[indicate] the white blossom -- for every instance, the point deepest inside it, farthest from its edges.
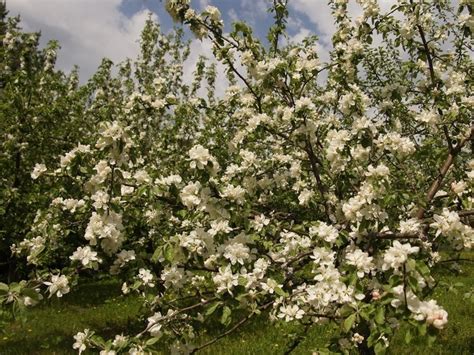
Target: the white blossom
(397, 255)
(327, 232)
(146, 276)
(237, 253)
(38, 170)
(81, 339)
(154, 327)
(234, 193)
(58, 285)
(86, 256)
(291, 312)
(225, 280)
(361, 260)
(189, 194)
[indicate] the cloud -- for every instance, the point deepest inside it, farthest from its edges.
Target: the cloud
(319, 14)
(204, 3)
(252, 11)
(87, 30)
(233, 15)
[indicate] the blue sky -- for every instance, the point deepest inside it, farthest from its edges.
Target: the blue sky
(89, 30)
(253, 12)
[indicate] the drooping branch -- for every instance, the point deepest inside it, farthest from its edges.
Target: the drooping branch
(174, 314)
(231, 330)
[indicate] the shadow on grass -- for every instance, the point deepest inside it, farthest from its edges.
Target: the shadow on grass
(94, 293)
(50, 327)
(57, 343)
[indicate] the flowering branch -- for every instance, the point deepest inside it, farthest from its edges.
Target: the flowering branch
(436, 185)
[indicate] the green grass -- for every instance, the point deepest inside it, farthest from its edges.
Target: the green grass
(263, 337)
(99, 306)
(50, 327)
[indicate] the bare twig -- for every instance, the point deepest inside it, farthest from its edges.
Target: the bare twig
(456, 260)
(231, 330)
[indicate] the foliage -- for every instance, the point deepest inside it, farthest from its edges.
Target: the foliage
(312, 192)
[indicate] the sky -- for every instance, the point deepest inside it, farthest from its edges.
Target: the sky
(89, 30)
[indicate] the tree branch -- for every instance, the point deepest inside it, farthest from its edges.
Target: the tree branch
(231, 330)
(436, 185)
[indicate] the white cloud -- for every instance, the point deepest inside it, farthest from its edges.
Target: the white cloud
(233, 15)
(251, 11)
(87, 30)
(318, 13)
(204, 3)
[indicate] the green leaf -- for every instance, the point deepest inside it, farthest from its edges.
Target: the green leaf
(30, 293)
(152, 341)
(431, 340)
(280, 292)
(423, 269)
(15, 287)
(380, 348)
(226, 316)
(242, 281)
(365, 314)
(212, 308)
(168, 252)
(380, 315)
(422, 329)
(346, 310)
(142, 190)
(348, 322)
(408, 336)
(3, 288)
(156, 255)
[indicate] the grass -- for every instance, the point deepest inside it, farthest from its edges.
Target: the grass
(262, 337)
(50, 327)
(99, 306)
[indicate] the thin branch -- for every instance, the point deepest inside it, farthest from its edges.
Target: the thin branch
(436, 185)
(297, 258)
(428, 54)
(236, 72)
(231, 330)
(466, 213)
(391, 235)
(185, 309)
(405, 285)
(456, 260)
(297, 340)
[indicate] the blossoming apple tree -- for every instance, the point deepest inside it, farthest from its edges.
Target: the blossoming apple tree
(41, 111)
(310, 192)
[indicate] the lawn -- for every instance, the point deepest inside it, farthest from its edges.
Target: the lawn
(100, 306)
